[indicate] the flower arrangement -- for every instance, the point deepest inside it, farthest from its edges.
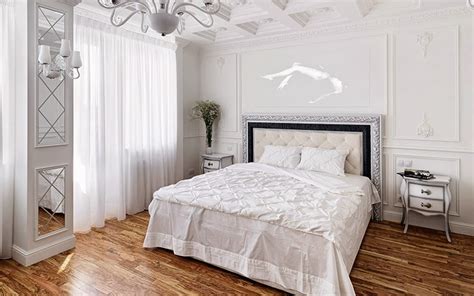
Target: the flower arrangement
(208, 111)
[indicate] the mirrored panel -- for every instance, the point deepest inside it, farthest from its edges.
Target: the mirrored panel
(51, 198)
(50, 117)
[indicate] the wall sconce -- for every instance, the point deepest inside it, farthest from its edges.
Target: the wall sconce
(54, 69)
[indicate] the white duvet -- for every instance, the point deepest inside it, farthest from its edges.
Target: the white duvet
(293, 229)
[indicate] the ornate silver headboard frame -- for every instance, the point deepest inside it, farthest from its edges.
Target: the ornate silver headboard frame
(370, 125)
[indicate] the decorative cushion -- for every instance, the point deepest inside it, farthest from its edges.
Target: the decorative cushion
(323, 160)
(341, 141)
(281, 156)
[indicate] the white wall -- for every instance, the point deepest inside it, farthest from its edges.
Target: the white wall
(193, 139)
(384, 69)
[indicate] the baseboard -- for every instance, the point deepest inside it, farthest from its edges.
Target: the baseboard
(456, 227)
(27, 258)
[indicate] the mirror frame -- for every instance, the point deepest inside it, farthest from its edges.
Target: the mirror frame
(66, 81)
(39, 236)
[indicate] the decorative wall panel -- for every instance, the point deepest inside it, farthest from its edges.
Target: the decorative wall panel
(219, 83)
(323, 75)
(51, 110)
(50, 199)
(426, 84)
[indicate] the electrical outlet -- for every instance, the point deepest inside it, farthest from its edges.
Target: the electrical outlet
(408, 163)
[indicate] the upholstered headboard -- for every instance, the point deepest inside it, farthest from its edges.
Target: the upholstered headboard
(350, 142)
(357, 134)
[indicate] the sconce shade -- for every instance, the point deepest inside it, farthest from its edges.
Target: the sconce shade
(76, 61)
(65, 50)
(44, 56)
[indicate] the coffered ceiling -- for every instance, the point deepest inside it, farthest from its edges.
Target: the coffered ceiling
(240, 20)
(244, 19)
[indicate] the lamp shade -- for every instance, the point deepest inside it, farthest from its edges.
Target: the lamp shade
(76, 61)
(44, 56)
(65, 50)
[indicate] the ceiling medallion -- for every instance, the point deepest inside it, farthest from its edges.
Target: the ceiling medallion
(163, 17)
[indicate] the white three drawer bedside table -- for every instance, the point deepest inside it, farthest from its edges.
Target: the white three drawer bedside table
(215, 161)
(427, 197)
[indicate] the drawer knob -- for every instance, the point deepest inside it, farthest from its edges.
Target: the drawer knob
(209, 163)
(426, 205)
(427, 191)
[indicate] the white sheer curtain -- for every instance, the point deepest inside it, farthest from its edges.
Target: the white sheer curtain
(7, 121)
(125, 122)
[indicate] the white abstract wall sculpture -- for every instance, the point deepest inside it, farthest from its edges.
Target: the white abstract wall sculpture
(311, 72)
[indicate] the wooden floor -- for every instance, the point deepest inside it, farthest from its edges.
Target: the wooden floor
(111, 260)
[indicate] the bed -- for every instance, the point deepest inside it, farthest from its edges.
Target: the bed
(295, 230)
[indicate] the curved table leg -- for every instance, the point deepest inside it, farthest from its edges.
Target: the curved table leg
(446, 226)
(406, 221)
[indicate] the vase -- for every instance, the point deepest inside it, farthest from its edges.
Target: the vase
(209, 150)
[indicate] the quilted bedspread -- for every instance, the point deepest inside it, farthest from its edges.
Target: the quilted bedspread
(304, 201)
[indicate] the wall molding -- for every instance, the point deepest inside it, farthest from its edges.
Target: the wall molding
(457, 97)
(377, 23)
(219, 60)
(456, 227)
(27, 258)
(430, 148)
(385, 193)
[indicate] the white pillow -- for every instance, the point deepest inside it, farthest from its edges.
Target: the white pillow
(282, 156)
(323, 160)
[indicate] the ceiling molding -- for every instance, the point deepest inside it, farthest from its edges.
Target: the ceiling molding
(364, 25)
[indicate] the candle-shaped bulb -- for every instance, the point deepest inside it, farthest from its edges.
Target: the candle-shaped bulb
(44, 56)
(65, 50)
(76, 61)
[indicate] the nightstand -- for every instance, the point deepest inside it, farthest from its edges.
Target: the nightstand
(427, 197)
(215, 161)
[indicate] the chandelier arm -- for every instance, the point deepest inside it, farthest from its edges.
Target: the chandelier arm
(184, 4)
(126, 4)
(143, 25)
(470, 3)
(153, 4)
(199, 21)
(167, 5)
(117, 21)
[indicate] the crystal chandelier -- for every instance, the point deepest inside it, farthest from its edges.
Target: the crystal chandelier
(163, 17)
